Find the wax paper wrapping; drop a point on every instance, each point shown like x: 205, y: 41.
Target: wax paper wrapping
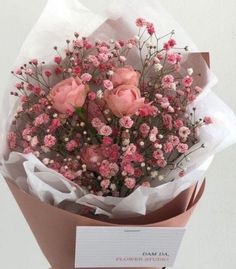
x: 59, y: 20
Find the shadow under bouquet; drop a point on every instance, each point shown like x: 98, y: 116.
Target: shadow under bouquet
x: 116, y: 130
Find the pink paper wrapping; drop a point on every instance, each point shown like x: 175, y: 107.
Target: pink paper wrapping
x: 55, y: 229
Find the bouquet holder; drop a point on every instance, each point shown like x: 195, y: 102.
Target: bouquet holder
x: 55, y: 229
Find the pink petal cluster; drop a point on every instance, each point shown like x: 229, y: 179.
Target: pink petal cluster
x: 49, y: 141
x: 126, y: 122
x: 68, y: 95
x: 167, y: 81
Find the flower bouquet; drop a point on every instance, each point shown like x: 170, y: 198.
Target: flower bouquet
x: 116, y: 128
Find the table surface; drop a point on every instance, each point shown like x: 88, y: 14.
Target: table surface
x: 210, y: 240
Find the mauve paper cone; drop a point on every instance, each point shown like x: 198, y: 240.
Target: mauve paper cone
x: 55, y: 229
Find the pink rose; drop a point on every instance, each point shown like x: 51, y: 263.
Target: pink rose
x: 125, y: 100
x: 92, y: 157
x: 125, y: 75
x: 68, y: 94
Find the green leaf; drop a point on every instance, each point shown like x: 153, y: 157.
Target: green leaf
x: 81, y: 112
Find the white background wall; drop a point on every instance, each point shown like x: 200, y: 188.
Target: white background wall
x: 210, y: 241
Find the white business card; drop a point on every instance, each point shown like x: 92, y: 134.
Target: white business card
x: 126, y: 246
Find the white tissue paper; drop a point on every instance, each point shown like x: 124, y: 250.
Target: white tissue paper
x: 59, y: 20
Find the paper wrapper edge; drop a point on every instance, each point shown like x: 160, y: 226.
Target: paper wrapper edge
x: 55, y: 229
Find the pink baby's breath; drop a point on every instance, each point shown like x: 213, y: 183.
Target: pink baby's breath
x: 49, y: 141
x: 167, y: 81
x: 129, y: 168
x: 57, y: 59
x: 208, y: 120
x: 77, y: 70
x: 166, y: 46
x: 168, y: 147
x: 28, y: 150
x: 29, y: 71
x: 171, y: 58
x: 47, y: 73
x: 174, y: 140
x: 182, y: 148
x: 178, y: 123
x: 104, y: 169
x: 71, y: 145
x: 11, y: 137
x: 34, y: 141
x: 161, y: 163
x: 105, y: 183
x: 108, y: 84
x: 171, y: 42
x: 86, y: 77
x: 140, y: 22
x: 54, y: 125
x: 126, y: 122
x: 144, y: 129
x: 105, y: 130
x: 153, y: 134
x: 130, y: 182
x: 158, y: 154
x: 184, y: 131
x: 97, y: 123
x: 187, y: 81
x: 107, y: 141
x: 41, y: 119
x: 92, y: 96
x: 69, y: 175
x: 27, y: 132
x: 146, y: 184
x: 103, y: 57
x: 150, y: 28
x: 93, y: 59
